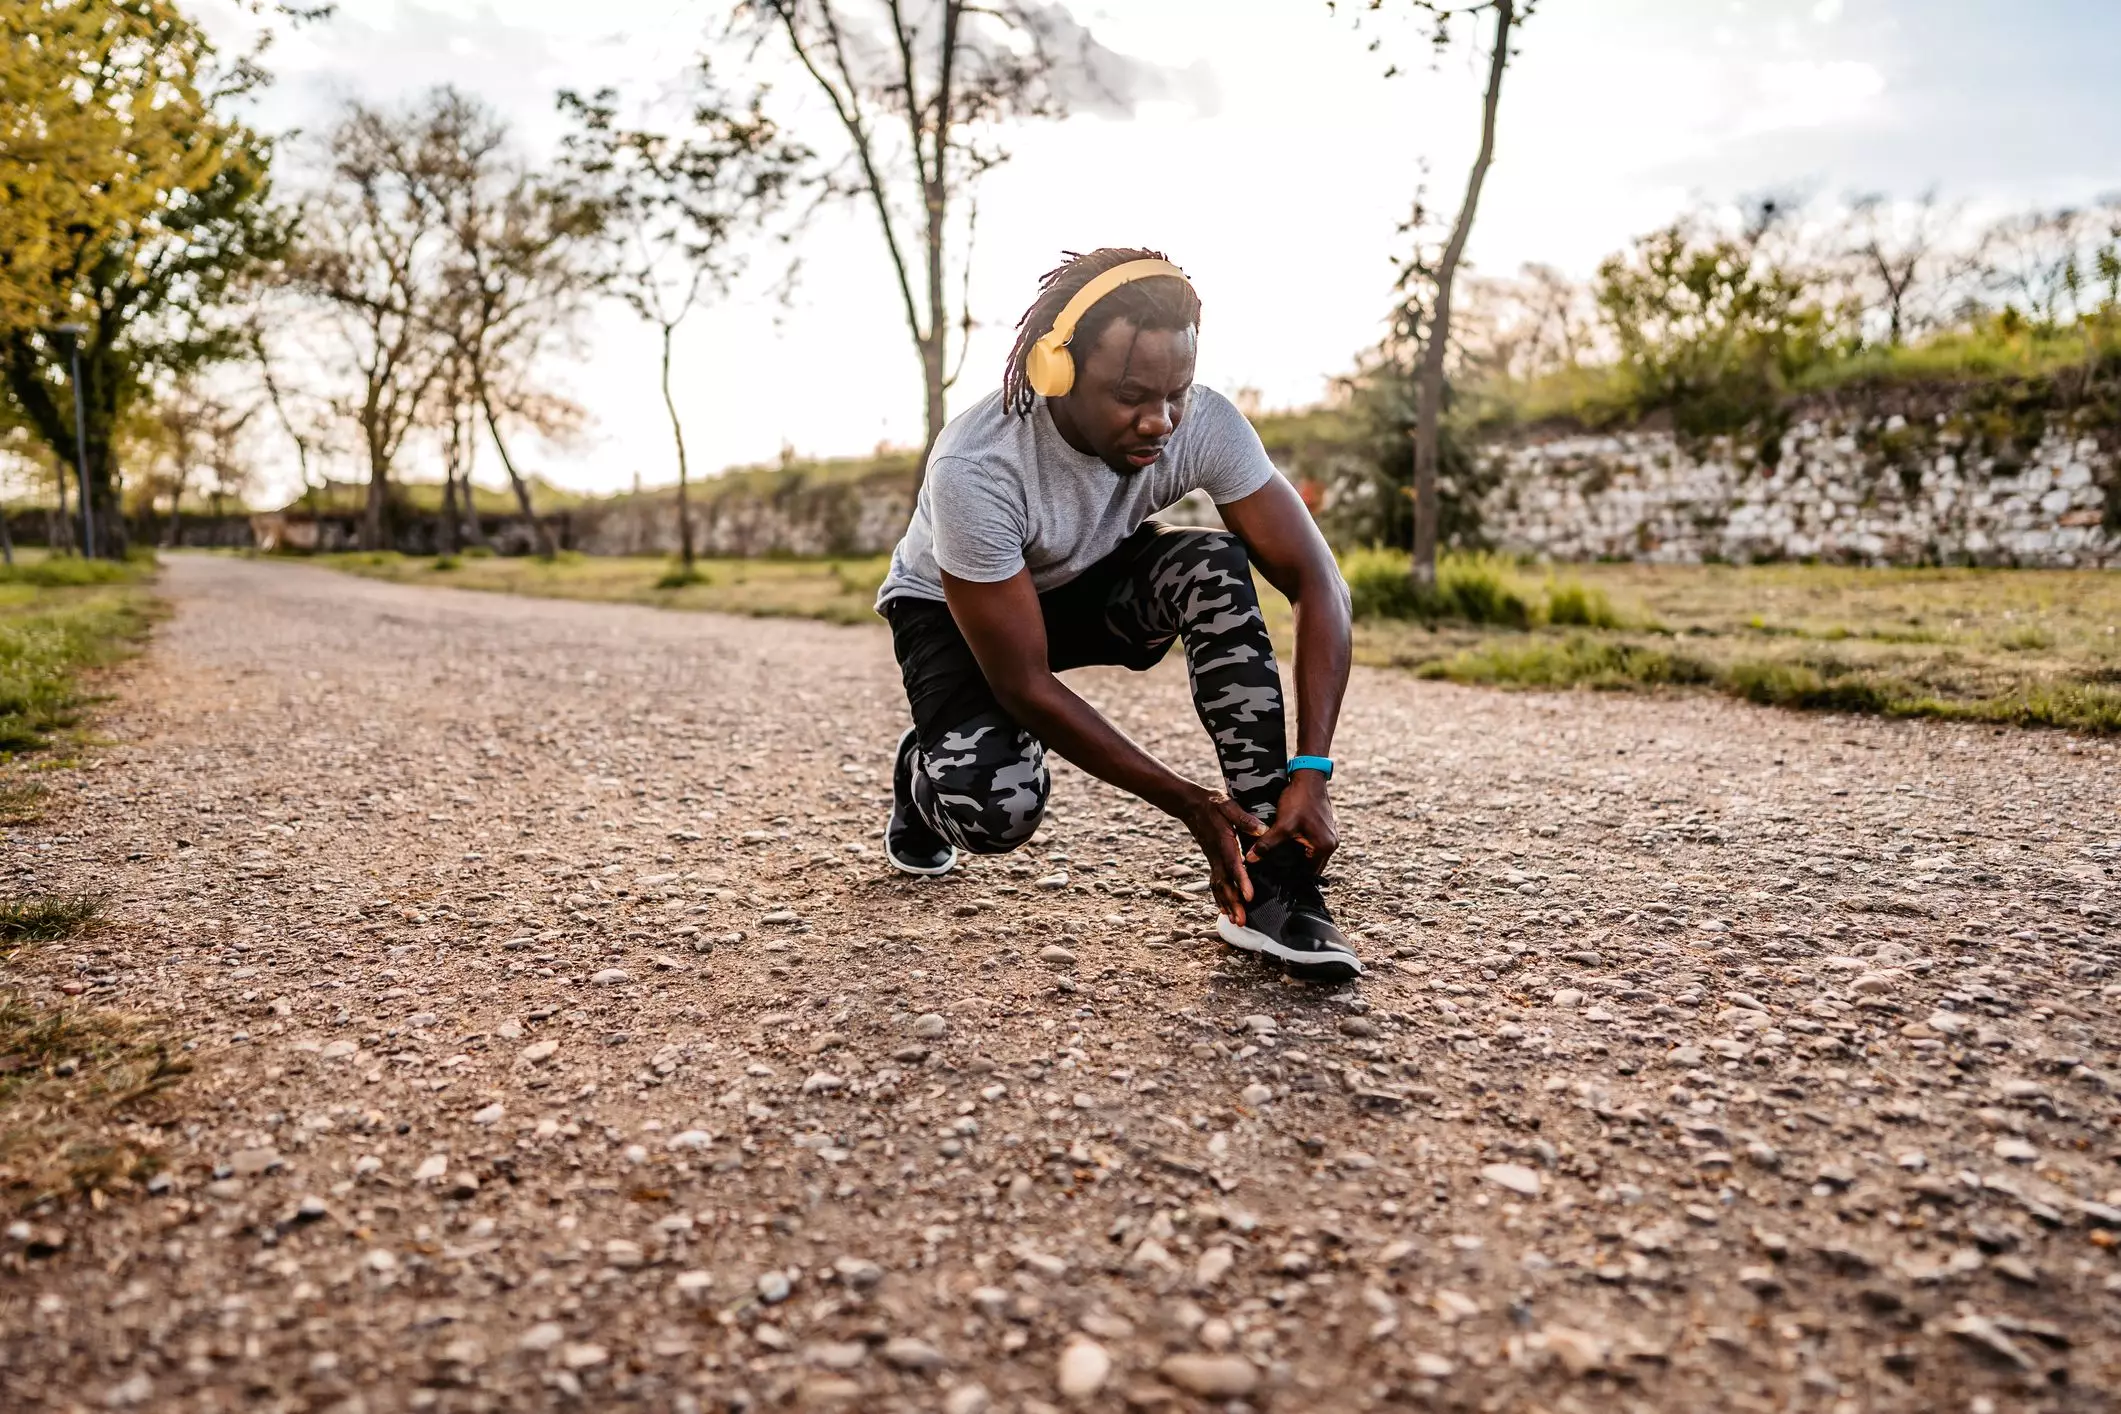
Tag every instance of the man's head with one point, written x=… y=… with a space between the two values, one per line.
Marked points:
x=1133 y=352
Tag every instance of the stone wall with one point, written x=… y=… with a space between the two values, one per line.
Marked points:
x=1861 y=485
x=784 y=515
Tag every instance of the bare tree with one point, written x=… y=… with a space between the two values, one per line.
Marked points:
x=193 y=432
x=1900 y=260
x=279 y=397
x=2037 y=261
x=521 y=276
x=677 y=211
x=1435 y=338
x=919 y=88
x=372 y=254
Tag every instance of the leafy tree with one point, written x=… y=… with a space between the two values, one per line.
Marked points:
x=1709 y=324
x=920 y=89
x=677 y=210
x=133 y=204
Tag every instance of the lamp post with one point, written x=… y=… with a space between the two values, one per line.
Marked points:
x=71 y=334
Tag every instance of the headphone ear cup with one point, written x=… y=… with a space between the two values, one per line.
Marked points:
x=1050 y=370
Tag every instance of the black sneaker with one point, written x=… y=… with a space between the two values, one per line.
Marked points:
x=1287 y=919
x=909 y=843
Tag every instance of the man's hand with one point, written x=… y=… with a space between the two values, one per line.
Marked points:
x=1305 y=816
x=1219 y=824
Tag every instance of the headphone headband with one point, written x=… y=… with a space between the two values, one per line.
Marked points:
x=1050 y=367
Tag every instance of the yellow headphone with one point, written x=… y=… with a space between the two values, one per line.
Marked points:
x=1050 y=368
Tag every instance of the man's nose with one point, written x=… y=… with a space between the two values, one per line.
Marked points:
x=1156 y=421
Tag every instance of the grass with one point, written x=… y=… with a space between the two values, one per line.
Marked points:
x=58 y=617
x=836 y=590
x=1472 y=589
x=46 y=918
x=75 y=1081
x=2008 y=647
x=2034 y=648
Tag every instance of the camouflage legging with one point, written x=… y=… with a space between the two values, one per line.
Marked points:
x=981 y=781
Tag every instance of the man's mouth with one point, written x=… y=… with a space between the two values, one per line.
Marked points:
x=1144 y=456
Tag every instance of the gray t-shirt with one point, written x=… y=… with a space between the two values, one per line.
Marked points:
x=1005 y=492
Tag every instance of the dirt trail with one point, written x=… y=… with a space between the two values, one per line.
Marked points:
x=564 y=1043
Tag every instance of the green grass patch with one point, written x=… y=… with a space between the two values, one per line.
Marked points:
x=46 y=918
x=1578 y=660
x=1472 y=589
x=838 y=590
x=59 y=617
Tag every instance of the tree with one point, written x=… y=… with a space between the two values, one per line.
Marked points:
x=1439 y=276
x=373 y=259
x=134 y=205
x=677 y=209
x=1900 y=260
x=521 y=273
x=919 y=89
x=192 y=435
x=1715 y=323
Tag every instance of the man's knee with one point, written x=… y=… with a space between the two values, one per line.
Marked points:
x=1207 y=579
x=985 y=787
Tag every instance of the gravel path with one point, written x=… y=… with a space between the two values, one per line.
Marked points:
x=564 y=1043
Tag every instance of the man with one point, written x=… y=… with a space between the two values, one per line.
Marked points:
x=1031 y=552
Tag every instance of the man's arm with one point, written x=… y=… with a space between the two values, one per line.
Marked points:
x=1006 y=631
x=1285 y=544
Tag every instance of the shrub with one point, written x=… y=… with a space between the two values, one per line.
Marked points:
x=1573 y=604
x=445 y=563
x=1476 y=588
x=678 y=577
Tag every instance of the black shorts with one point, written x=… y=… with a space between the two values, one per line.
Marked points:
x=944 y=684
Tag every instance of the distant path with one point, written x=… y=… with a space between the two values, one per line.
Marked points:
x=450 y=888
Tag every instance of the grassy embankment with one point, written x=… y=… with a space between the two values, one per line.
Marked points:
x=71 y=1076
x=2026 y=647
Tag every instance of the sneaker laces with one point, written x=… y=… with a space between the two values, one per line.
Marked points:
x=1295 y=882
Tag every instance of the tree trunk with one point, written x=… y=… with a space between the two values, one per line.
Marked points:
x=1428 y=414
x=475 y=529
x=447 y=541
x=546 y=549
x=932 y=374
x=677 y=434
x=378 y=484
x=7 y=541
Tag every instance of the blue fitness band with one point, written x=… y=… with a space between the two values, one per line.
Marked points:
x=1321 y=764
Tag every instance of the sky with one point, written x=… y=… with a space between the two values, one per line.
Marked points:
x=1271 y=156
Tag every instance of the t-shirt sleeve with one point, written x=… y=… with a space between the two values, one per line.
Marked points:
x=979 y=521
x=1233 y=463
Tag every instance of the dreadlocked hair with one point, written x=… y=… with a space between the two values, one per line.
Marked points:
x=1158 y=302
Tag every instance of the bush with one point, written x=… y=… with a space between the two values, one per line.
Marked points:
x=1470 y=588
x=678 y=577
x=445 y=563
x=1573 y=604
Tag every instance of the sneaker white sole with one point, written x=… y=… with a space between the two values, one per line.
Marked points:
x=905 y=868
x=1252 y=940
